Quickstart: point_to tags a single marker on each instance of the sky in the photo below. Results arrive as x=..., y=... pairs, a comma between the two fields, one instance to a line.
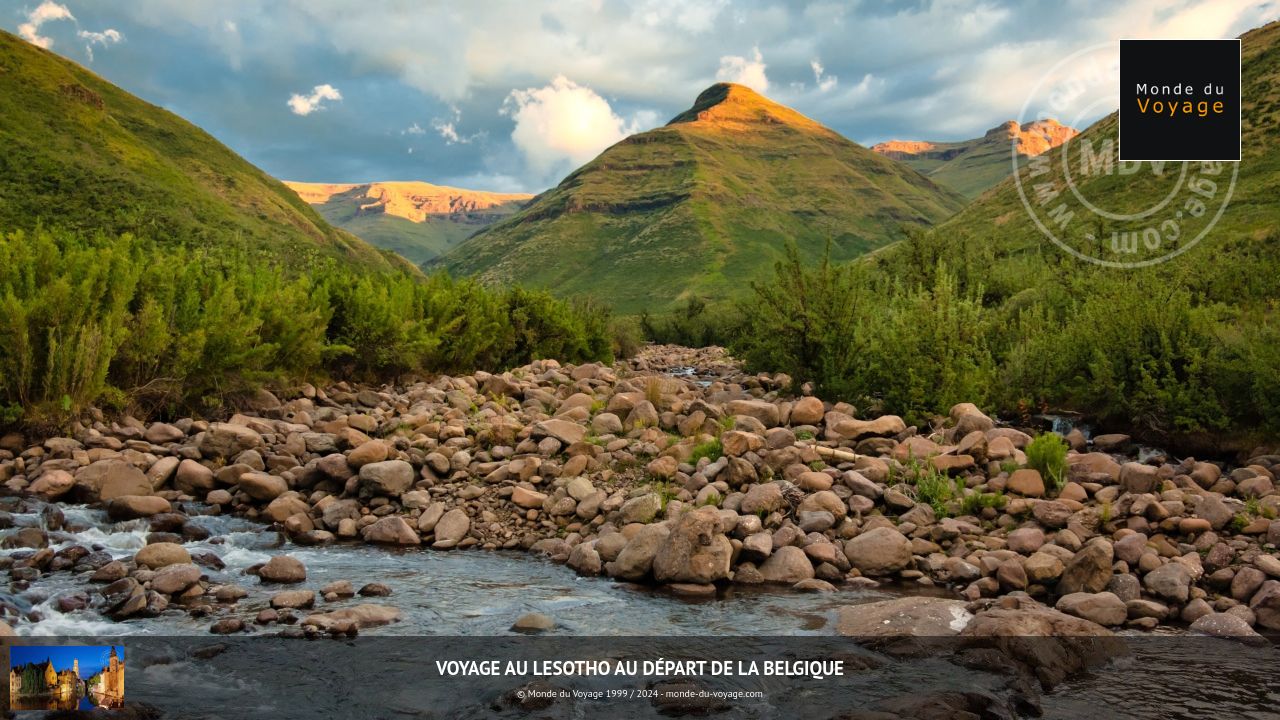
x=92, y=657
x=512, y=95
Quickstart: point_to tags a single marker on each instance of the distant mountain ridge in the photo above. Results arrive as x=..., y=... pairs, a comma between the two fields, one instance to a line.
x=417, y=220
x=703, y=205
x=79, y=153
x=971, y=167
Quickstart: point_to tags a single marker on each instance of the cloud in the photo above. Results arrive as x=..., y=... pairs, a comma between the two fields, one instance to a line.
x=737, y=69
x=307, y=104
x=563, y=125
x=825, y=82
x=691, y=17
x=47, y=11
x=448, y=128
x=414, y=129
x=106, y=37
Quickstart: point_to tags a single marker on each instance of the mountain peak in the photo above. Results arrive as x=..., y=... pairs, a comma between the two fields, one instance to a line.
x=730, y=106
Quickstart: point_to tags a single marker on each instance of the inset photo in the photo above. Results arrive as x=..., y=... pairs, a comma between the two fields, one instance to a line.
x=65, y=677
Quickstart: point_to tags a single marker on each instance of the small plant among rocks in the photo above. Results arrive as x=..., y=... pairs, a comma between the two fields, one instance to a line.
x=1048, y=454
x=711, y=449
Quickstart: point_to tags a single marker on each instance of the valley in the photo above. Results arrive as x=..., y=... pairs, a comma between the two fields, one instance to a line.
x=417, y=220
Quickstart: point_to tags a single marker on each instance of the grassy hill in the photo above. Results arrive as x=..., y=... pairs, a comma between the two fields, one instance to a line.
x=985, y=308
x=971, y=167
x=1023, y=260
x=703, y=205
x=80, y=153
x=416, y=220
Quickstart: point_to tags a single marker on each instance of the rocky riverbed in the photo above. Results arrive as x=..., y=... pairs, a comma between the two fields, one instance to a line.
x=674, y=470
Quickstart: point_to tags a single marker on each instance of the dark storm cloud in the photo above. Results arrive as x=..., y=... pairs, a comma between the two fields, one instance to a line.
x=427, y=88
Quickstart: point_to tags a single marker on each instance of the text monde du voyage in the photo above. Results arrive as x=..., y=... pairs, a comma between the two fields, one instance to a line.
x=1180, y=99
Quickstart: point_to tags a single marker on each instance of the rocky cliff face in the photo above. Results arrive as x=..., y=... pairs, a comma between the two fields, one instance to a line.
x=413, y=201
x=972, y=166
x=417, y=220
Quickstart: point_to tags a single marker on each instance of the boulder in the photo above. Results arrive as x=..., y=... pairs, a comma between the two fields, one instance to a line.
x=636, y=559
x=173, y=579
x=880, y=551
x=1212, y=508
x=807, y=411
x=695, y=550
x=883, y=426
x=361, y=616
x=1025, y=540
x=1089, y=571
x=1265, y=605
x=1103, y=608
x=1046, y=644
x=107, y=479
x=294, y=599
x=1171, y=581
x=641, y=509
x=903, y=617
x=389, y=477
x=452, y=527
x=787, y=564
x=533, y=623
x=1138, y=478
x=762, y=498
x=129, y=507
x=391, y=530
x=224, y=440
x=1227, y=625
x=283, y=569
x=162, y=433
x=193, y=479
x=563, y=430
x=526, y=498
x=53, y=484
x=367, y=453
x=1026, y=482
x=262, y=487
x=765, y=412
x=159, y=555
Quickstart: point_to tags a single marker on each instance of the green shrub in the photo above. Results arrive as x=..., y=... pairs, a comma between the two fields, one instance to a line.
x=711, y=449
x=1047, y=453
x=131, y=324
x=931, y=486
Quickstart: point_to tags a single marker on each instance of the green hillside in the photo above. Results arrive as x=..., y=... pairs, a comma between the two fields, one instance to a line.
x=971, y=167
x=703, y=205
x=1023, y=259
x=984, y=308
x=84, y=155
x=416, y=220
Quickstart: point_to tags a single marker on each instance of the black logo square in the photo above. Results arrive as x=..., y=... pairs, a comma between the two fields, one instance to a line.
x=1179, y=100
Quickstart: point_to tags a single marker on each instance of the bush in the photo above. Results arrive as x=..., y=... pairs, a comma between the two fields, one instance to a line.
x=156, y=328
x=711, y=449
x=914, y=350
x=1047, y=453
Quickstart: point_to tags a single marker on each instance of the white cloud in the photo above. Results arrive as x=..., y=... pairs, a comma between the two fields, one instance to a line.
x=414, y=129
x=691, y=17
x=825, y=82
x=737, y=69
x=104, y=38
x=307, y=104
x=564, y=124
x=448, y=128
x=45, y=12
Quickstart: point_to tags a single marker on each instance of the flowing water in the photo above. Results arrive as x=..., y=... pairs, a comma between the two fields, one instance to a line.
x=478, y=594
